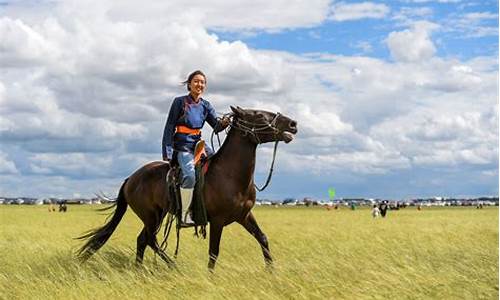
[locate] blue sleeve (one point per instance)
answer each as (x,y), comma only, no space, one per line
(168,132)
(212,117)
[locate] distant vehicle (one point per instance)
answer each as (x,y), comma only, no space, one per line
(38,201)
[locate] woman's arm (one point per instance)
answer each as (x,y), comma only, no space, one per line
(168,132)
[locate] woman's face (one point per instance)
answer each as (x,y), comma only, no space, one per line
(197,84)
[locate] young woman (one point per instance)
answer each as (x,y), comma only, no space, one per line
(183,130)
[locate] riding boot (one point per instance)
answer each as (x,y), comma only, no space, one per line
(186,197)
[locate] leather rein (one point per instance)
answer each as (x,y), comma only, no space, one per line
(253,130)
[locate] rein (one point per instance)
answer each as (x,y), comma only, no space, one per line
(270,170)
(253,129)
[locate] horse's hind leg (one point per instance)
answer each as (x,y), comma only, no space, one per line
(251,226)
(141,246)
(153,243)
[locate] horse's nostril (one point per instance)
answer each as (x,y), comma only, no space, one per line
(293,124)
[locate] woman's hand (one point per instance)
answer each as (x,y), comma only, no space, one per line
(224,122)
(170,152)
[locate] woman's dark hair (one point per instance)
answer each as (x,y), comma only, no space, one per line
(191,76)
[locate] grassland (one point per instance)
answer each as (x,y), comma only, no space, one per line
(440,253)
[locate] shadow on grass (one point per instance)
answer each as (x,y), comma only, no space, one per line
(65,263)
(116,260)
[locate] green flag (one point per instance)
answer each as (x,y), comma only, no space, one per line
(331,193)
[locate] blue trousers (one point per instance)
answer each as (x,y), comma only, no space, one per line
(186,162)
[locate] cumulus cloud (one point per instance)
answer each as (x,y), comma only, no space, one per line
(432,138)
(412,44)
(220,14)
(7,166)
(21,44)
(383,117)
(84,92)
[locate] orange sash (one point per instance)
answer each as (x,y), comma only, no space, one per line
(187,130)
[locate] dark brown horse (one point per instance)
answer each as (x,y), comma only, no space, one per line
(229,190)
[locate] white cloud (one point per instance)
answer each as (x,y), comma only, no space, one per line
(70,164)
(406,16)
(216,14)
(354,11)
(87,96)
(474,25)
(7,166)
(365,46)
(438,1)
(399,115)
(480,16)
(433,137)
(21,44)
(412,44)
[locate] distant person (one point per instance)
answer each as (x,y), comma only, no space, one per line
(383,208)
(375,211)
(62,206)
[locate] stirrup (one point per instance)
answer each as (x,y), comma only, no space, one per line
(187,221)
(186,225)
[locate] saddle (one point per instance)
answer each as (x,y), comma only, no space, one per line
(174,178)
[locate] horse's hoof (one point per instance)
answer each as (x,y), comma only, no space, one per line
(270,267)
(172,265)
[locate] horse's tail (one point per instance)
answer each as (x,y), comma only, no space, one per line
(99,236)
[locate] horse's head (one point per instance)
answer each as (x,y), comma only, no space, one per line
(263,126)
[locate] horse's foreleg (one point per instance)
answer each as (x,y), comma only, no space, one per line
(213,252)
(251,226)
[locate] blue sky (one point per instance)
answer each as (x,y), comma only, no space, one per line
(365,36)
(395,99)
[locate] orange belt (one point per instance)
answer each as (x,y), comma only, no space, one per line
(187,130)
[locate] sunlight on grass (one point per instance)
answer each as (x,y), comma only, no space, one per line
(438,253)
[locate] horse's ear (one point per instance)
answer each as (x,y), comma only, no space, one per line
(238,110)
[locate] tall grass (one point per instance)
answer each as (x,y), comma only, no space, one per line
(440,253)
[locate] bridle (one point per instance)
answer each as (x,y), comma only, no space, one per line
(253,129)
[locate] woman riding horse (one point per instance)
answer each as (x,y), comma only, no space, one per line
(228,192)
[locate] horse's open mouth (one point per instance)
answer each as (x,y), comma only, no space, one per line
(287,136)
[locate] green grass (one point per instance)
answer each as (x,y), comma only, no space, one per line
(438,253)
